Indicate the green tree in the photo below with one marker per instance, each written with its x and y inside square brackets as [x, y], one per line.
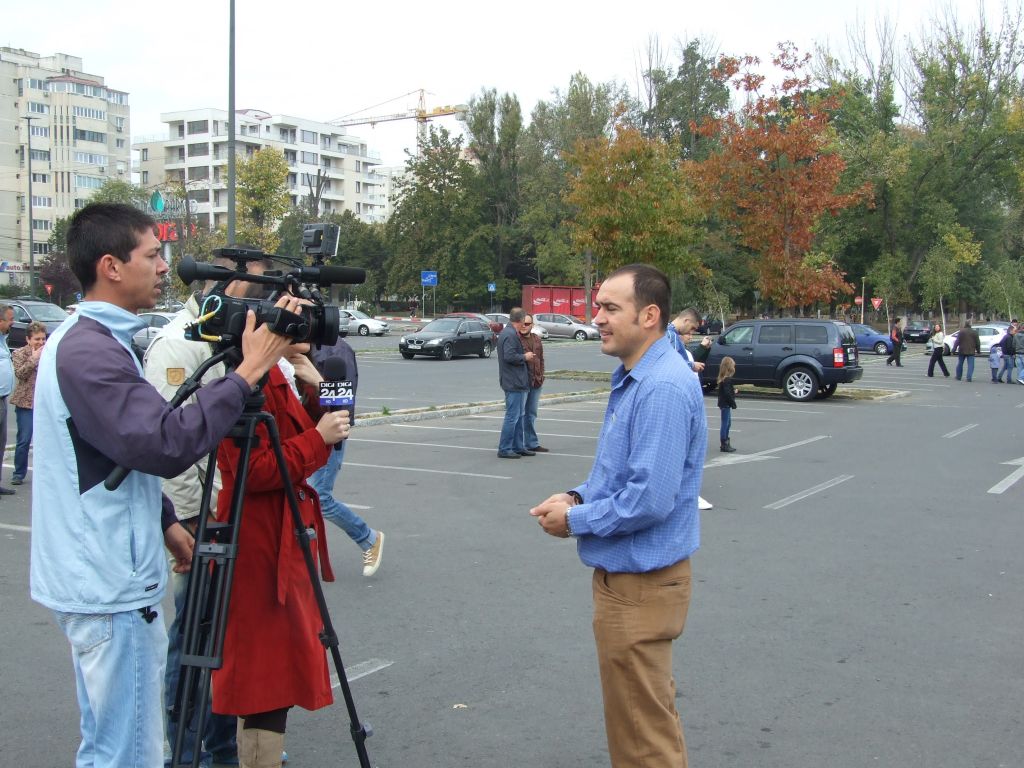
[54, 268]
[117, 191]
[954, 250]
[262, 198]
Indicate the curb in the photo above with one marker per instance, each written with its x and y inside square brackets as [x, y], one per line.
[469, 408]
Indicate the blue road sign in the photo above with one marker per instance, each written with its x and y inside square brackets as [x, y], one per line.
[428, 278]
[491, 288]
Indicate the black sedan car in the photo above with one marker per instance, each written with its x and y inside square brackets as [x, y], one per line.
[448, 337]
[917, 330]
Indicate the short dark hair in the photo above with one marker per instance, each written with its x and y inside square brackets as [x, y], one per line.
[650, 286]
[102, 228]
[516, 315]
[691, 313]
[33, 328]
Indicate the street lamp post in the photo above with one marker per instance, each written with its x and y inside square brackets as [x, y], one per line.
[31, 232]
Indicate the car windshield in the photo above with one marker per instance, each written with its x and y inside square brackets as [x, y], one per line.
[444, 325]
[358, 315]
[47, 313]
[846, 334]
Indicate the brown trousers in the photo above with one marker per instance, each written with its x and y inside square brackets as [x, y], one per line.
[636, 618]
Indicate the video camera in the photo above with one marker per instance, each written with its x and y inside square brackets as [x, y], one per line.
[222, 318]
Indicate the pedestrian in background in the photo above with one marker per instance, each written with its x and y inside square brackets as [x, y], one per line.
[532, 343]
[26, 363]
[726, 400]
[995, 358]
[6, 382]
[896, 336]
[966, 347]
[938, 350]
[1018, 353]
[514, 377]
[1007, 343]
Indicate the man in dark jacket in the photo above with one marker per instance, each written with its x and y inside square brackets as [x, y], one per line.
[1008, 343]
[966, 346]
[896, 335]
[514, 377]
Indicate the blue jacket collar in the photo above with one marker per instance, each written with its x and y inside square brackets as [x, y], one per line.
[122, 323]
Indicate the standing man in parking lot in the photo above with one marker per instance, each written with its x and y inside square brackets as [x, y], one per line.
[966, 346]
[514, 377]
[6, 382]
[896, 336]
[635, 518]
[532, 343]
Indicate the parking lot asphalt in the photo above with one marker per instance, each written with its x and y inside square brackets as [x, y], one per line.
[857, 596]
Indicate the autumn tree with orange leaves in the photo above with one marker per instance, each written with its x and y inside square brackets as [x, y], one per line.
[775, 175]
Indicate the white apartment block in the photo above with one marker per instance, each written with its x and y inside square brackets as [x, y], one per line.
[195, 151]
[79, 133]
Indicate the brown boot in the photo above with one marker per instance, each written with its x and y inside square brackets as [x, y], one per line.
[258, 748]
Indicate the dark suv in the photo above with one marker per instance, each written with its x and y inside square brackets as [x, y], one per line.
[806, 358]
[28, 310]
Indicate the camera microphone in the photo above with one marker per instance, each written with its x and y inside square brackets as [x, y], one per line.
[336, 390]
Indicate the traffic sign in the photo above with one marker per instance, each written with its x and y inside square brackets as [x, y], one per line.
[491, 288]
[49, 288]
[428, 278]
[876, 303]
[858, 300]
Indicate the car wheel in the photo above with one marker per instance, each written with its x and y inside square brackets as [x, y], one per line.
[487, 349]
[800, 384]
[364, 330]
[446, 352]
[881, 348]
[408, 355]
[581, 336]
[827, 391]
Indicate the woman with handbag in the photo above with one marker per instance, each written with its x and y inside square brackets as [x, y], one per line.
[938, 350]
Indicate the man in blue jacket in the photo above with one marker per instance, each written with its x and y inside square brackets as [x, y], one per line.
[97, 557]
[514, 377]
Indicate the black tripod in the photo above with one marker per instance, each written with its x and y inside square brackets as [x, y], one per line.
[212, 574]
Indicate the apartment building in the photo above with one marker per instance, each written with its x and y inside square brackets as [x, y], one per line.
[79, 132]
[195, 151]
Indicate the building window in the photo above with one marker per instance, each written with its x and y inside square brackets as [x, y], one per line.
[41, 154]
[42, 224]
[198, 150]
[309, 137]
[325, 142]
[310, 157]
[199, 172]
[325, 162]
[38, 85]
[99, 138]
[198, 126]
[144, 176]
[290, 156]
[40, 248]
[95, 114]
[144, 154]
[80, 202]
[120, 143]
[40, 130]
[88, 182]
[118, 124]
[39, 201]
[39, 109]
[90, 159]
[40, 178]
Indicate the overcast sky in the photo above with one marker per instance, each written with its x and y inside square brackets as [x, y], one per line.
[322, 60]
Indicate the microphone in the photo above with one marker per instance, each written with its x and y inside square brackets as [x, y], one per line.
[336, 390]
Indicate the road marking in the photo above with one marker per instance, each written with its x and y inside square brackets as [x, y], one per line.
[11, 527]
[960, 431]
[362, 669]
[809, 492]
[1011, 478]
[546, 418]
[759, 455]
[489, 431]
[430, 471]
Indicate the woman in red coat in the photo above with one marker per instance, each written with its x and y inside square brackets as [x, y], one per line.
[273, 658]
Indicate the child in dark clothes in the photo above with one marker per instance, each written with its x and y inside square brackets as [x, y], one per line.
[726, 400]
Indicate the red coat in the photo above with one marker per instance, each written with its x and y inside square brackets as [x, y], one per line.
[273, 657]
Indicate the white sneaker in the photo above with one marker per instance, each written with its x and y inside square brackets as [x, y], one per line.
[372, 556]
[703, 503]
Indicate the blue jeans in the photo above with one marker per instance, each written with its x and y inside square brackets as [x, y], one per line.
[960, 366]
[119, 667]
[530, 418]
[24, 419]
[1007, 369]
[220, 729]
[511, 440]
[723, 433]
[1020, 367]
[336, 511]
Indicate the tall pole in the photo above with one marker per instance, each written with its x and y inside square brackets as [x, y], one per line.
[31, 232]
[863, 298]
[231, 124]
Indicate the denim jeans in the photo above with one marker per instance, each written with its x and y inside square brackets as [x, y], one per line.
[24, 419]
[220, 729]
[336, 511]
[530, 439]
[723, 433]
[1007, 369]
[511, 440]
[960, 366]
[1020, 367]
[119, 667]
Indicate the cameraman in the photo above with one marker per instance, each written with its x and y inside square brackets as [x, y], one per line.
[97, 556]
[170, 359]
[273, 658]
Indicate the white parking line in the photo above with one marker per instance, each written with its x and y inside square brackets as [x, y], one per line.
[12, 527]
[759, 455]
[361, 669]
[960, 431]
[546, 418]
[809, 492]
[430, 471]
[488, 431]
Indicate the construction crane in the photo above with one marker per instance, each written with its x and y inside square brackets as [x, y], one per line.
[421, 115]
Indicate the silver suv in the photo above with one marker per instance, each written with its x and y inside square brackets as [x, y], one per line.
[565, 327]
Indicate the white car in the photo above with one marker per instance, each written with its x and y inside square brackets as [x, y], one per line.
[565, 326]
[363, 324]
[988, 334]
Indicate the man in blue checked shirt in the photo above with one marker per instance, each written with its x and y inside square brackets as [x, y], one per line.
[635, 518]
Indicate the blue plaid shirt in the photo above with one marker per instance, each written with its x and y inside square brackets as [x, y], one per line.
[639, 510]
